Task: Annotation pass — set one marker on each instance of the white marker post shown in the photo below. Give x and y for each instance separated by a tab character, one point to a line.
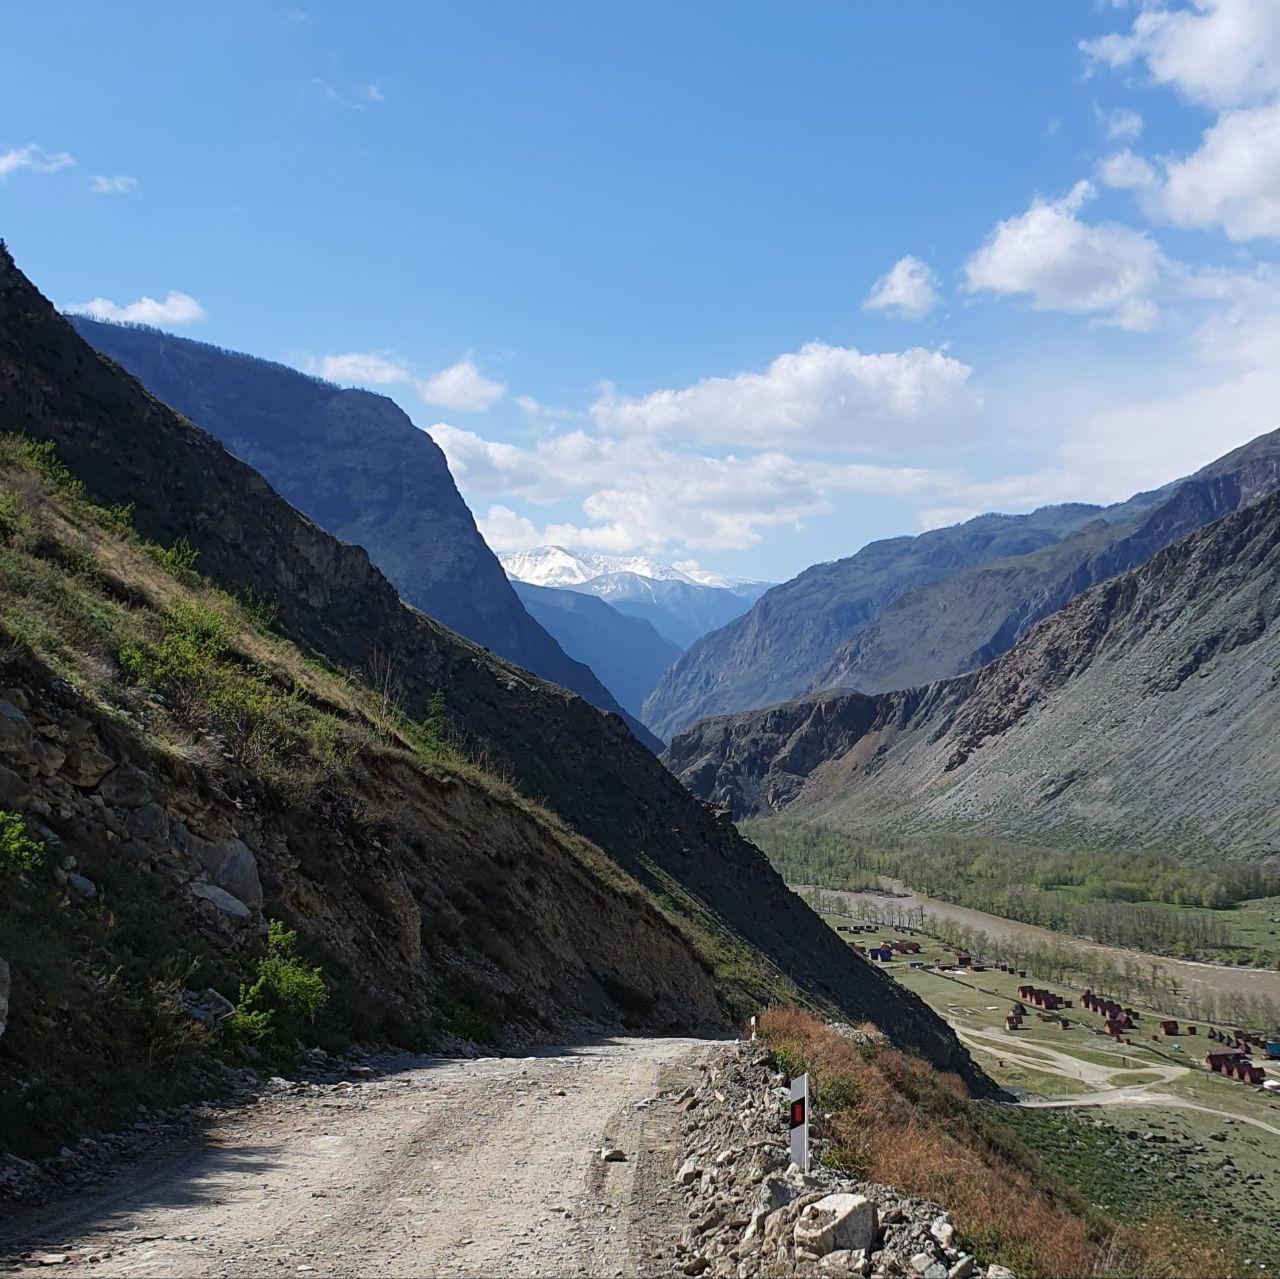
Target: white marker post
800	1122
753	1030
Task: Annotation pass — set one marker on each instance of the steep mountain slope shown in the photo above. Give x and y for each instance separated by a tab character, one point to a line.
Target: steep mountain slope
184	775
680	605
962	623
356	464
790	635
1145	712
679	611
583	765
626	653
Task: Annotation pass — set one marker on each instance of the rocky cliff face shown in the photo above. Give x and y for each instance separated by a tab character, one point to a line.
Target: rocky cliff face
1142	713
356	464
584	765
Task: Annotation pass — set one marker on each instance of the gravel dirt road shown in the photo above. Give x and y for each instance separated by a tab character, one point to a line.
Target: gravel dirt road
437	1167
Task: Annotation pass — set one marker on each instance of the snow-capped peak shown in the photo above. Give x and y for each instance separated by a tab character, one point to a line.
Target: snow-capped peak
560	566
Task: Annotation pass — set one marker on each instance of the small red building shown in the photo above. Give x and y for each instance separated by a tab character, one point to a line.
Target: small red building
1168	1027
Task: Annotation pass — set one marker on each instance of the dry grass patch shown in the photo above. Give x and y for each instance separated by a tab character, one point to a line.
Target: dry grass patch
892	1118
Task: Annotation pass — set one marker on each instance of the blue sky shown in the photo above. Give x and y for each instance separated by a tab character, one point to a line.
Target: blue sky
634	267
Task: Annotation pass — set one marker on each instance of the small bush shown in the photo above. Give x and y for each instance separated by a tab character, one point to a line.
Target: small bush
41	456
117	518
179	560
13	518
18	851
285	995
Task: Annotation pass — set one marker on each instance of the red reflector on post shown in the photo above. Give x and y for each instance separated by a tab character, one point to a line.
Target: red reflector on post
797	1113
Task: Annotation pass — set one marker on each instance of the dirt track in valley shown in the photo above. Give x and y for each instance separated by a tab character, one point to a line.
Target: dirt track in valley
440	1167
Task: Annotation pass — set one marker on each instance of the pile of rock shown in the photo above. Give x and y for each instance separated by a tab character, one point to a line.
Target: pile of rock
754	1213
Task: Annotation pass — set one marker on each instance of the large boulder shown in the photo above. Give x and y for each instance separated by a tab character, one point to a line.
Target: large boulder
4	994
222	900
86	765
837	1223
14	790
127	787
17	741
232	865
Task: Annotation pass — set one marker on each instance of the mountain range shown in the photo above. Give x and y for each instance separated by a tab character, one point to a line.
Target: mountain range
911	610
355	463
1144	712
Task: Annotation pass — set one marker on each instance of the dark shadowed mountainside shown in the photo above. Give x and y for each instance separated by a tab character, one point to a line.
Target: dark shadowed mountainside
1145	712
582	764
626	653
356	464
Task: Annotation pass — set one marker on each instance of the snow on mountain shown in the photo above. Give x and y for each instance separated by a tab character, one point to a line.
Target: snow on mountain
559	566
681	601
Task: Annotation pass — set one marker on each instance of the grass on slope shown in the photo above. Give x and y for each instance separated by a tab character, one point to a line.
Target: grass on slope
202	679
890	1119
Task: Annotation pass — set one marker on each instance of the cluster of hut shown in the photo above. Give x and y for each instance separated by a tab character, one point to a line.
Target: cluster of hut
1234	1063
1117	1019
1046	1000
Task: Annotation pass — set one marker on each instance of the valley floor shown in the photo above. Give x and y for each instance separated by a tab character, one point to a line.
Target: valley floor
440	1167
1222	979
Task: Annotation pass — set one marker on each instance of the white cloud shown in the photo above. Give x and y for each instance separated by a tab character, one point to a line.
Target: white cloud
112	184
1121	125
1127	172
354	97
461	386
1048	254
634	495
34	158
361	369
824	396
908	290
175	309
527	404
1231	182
1220	53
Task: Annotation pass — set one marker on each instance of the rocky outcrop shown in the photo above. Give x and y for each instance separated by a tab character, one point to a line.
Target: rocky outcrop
582	764
1141	713
354	462
753	1213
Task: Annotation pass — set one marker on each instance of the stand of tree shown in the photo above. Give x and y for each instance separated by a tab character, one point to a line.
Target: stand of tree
1143	901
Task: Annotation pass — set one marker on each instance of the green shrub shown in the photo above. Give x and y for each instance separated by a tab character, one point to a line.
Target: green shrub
18	851
117	518
285	996
13	519
179	560
41	456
